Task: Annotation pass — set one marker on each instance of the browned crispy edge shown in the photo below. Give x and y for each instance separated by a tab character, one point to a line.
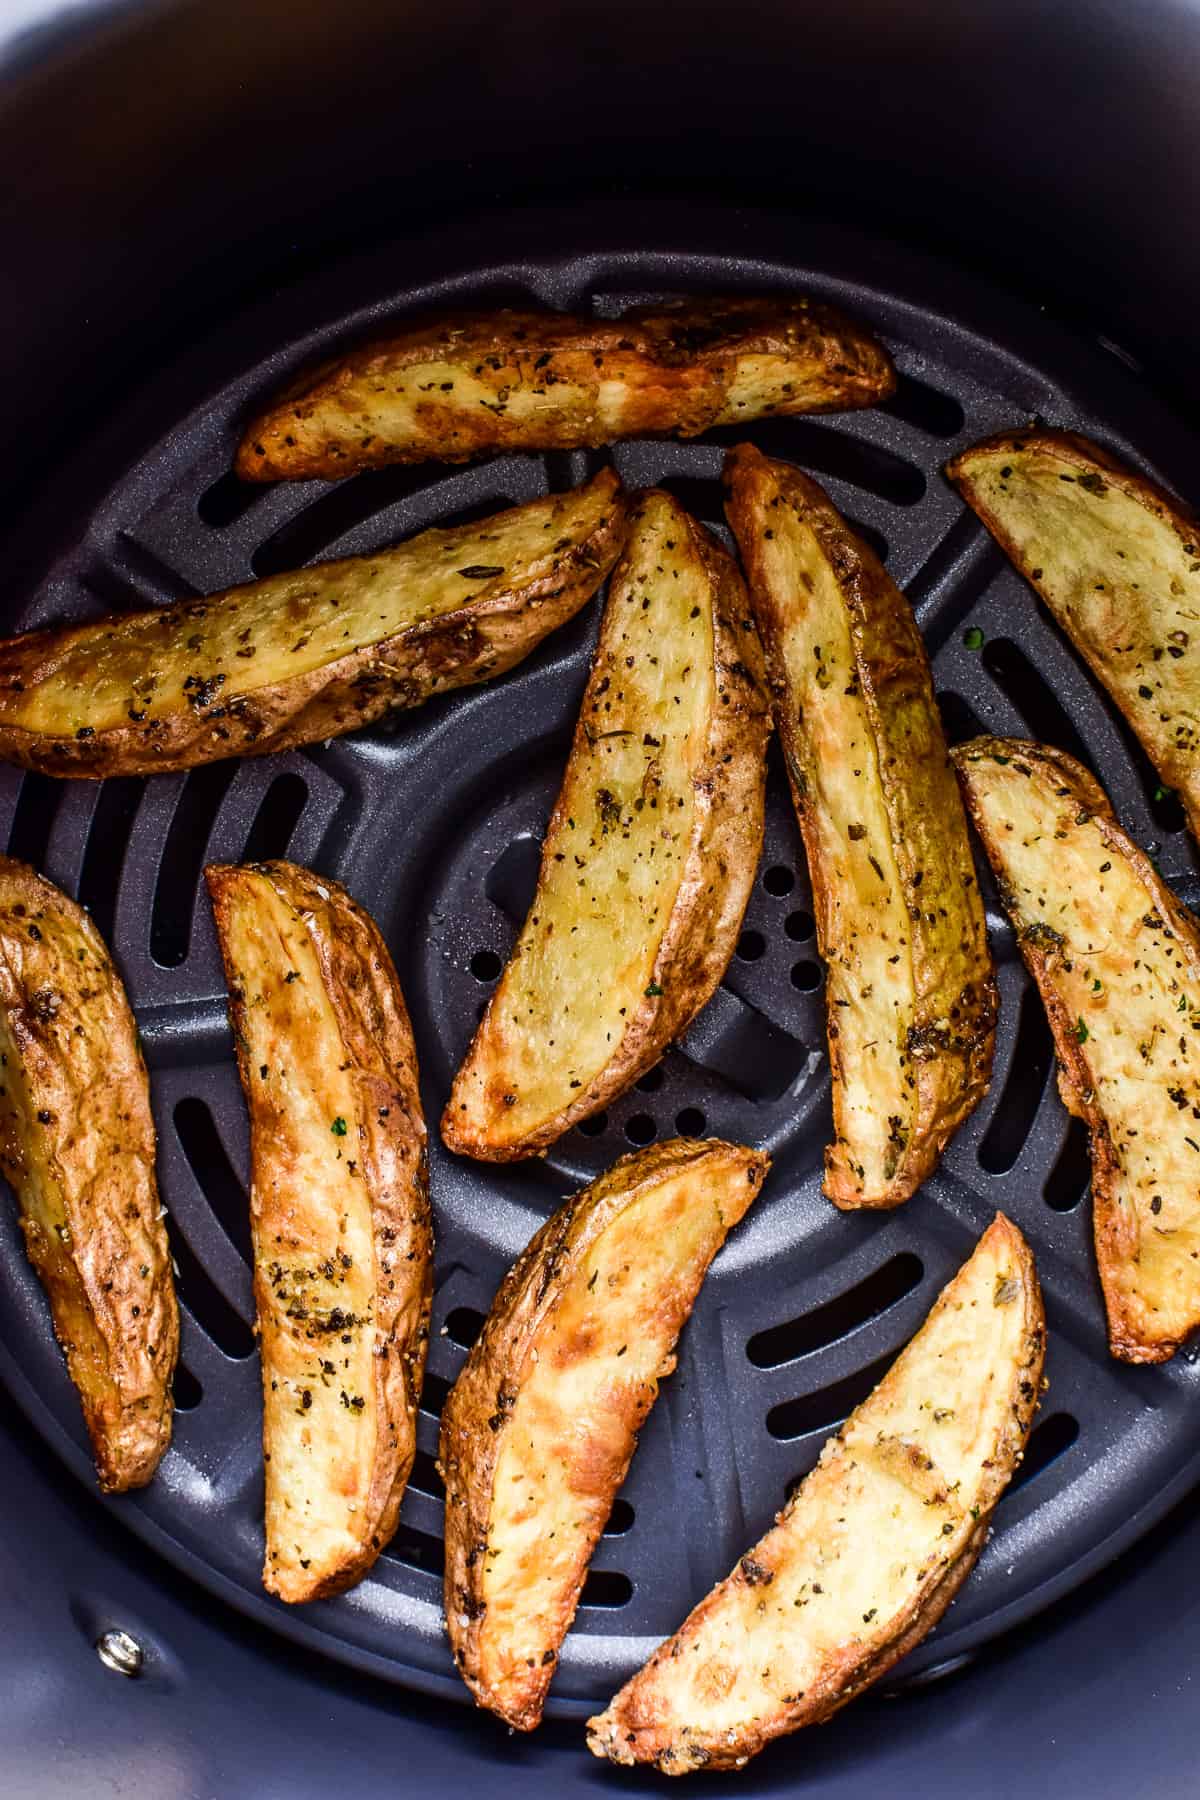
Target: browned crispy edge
687	343
123	1367
478	640
721	864
848	1677
1114	1243
953	1065
1081	453
475	1414
365	994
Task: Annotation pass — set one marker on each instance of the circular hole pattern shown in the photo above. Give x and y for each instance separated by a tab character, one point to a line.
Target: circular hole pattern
651	1081
485	965
779	880
595	1125
799	926
750	946
690	1122
806	976
641	1129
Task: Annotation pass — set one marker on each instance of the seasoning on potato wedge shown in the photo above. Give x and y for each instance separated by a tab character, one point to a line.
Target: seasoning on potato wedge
77	1146
1117	962
473	384
305	656
541	1425
911	993
1117	560
650	854
870	1549
340	1215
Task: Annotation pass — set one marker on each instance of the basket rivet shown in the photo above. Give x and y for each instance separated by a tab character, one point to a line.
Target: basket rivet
120	1653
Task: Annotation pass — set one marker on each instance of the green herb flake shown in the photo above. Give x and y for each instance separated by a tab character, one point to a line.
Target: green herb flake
653	991
973	638
338	1127
1081	1031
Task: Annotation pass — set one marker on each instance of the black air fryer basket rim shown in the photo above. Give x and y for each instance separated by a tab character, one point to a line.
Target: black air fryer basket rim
937	315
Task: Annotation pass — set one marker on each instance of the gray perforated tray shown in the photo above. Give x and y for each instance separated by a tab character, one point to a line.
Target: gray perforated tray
434	823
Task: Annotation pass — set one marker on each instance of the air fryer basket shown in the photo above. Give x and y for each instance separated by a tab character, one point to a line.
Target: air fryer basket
434	823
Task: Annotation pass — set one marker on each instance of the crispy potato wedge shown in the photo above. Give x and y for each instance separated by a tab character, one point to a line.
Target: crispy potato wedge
475	383
650	853
1117	962
77	1146
911	992
1117	561
339	1205
871	1548
541	1425
309	655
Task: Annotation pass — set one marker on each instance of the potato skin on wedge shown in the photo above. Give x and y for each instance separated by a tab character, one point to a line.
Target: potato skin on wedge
542	1423
650	853
1116	958
474	384
871	1548
309	655
911	995
77	1145
1117	560
339	1206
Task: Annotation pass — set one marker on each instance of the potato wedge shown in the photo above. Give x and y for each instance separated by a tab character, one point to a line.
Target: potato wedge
911	993
1117	962
309	655
1117	561
649	857
472	384
77	1146
339	1207
871	1548
541	1425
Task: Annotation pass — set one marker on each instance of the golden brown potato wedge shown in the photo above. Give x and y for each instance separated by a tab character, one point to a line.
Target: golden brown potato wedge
870	1549
650	853
1117	961
911	993
339	1206
1117	561
542	1423
77	1145
301	657
476	383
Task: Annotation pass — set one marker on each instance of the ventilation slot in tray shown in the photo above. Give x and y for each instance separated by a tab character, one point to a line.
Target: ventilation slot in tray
1048	1440
278	815
1034	699
218	1180
960	721
1016	1108
107	843
33	820
183	859
931	411
463	1326
228	499
847	1312
1068	1180
839	455
308	536
826	1409
205	1301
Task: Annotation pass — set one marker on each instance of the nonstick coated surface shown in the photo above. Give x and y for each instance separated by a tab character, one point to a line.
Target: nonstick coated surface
434	823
